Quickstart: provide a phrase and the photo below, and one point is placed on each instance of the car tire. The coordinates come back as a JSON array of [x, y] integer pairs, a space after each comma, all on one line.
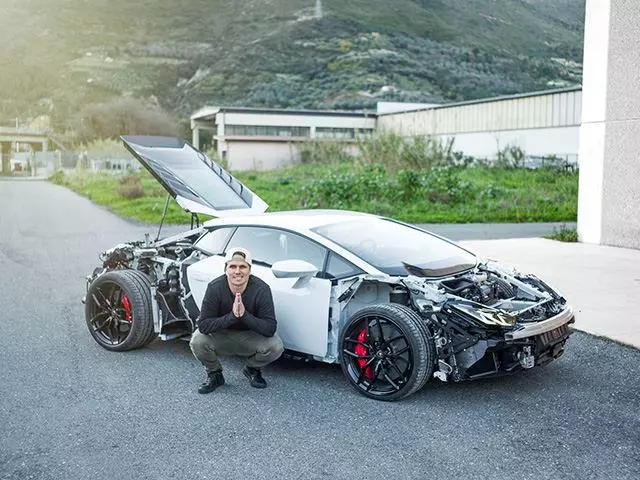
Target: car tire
[[386, 351], [118, 310]]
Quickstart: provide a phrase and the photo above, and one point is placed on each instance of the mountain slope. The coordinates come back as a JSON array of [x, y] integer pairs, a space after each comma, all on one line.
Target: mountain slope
[[62, 54]]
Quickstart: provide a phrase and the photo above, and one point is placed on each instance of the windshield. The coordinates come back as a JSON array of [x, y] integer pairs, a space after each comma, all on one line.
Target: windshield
[[398, 249]]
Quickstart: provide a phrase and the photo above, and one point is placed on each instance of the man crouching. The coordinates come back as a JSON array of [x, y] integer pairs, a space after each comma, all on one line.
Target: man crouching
[[237, 318]]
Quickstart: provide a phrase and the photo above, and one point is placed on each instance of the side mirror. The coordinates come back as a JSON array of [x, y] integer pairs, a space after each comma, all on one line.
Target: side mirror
[[299, 269]]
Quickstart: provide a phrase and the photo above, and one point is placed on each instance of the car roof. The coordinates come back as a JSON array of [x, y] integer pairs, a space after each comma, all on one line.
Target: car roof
[[294, 219]]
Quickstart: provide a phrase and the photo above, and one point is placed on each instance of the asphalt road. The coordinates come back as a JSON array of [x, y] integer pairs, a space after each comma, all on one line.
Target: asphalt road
[[493, 231], [71, 410]]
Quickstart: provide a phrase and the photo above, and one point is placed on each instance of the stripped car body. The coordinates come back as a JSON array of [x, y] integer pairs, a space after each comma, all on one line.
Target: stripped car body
[[393, 304]]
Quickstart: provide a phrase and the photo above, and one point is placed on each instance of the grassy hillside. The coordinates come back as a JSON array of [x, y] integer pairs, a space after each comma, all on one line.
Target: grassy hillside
[[58, 55]]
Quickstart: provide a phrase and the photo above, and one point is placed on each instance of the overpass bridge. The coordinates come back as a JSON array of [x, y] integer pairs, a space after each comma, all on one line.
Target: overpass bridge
[[11, 137]]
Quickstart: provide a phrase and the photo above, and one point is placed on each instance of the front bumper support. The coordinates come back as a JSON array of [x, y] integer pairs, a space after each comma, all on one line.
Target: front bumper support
[[526, 331]]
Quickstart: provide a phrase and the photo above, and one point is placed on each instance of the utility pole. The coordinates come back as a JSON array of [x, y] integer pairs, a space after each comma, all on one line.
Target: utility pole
[[318, 9]]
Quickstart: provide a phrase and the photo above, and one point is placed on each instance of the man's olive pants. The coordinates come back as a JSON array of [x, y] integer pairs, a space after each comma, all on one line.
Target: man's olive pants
[[257, 349]]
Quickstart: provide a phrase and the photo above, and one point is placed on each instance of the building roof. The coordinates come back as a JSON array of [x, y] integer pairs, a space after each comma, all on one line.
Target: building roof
[[209, 111], [576, 88]]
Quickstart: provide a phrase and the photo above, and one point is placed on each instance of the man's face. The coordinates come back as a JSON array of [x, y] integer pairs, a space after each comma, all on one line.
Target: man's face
[[237, 272]]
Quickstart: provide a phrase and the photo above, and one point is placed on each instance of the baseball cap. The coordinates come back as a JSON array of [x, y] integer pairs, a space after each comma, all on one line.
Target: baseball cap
[[238, 253]]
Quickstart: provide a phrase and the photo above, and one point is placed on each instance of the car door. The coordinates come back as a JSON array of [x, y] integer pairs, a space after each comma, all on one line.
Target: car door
[[302, 313], [199, 274]]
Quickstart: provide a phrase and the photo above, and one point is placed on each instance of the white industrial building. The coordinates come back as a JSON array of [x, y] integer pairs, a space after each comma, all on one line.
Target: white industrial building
[[541, 124], [264, 139]]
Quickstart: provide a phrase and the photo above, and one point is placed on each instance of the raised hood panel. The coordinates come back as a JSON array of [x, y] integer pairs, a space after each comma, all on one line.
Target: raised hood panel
[[198, 184]]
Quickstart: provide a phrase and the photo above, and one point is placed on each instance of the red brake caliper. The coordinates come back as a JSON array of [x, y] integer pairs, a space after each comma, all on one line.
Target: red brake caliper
[[127, 308], [361, 350]]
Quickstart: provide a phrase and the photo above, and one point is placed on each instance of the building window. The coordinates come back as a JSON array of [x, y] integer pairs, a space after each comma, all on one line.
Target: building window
[[365, 132], [337, 133], [343, 133], [266, 131]]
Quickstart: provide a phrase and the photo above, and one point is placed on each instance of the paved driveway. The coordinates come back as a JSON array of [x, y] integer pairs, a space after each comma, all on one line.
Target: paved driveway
[[71, 410]]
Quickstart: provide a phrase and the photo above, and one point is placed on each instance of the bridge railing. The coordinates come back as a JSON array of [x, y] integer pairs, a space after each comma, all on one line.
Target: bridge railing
[[23, 130]]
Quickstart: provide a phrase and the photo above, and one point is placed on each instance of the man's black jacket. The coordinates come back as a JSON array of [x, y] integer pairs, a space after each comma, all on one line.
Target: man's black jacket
[[217, 308]]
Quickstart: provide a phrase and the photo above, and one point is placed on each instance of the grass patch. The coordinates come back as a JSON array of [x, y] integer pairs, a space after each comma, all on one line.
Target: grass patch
[[445, 194], [563, 235]]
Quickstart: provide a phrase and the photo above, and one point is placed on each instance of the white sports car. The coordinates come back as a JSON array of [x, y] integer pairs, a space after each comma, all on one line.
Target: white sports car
[[393, 304]]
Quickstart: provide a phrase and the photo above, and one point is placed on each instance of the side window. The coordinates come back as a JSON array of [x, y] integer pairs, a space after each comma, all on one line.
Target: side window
[[270, 245], [214, 241], [302, 249], [338, 267]]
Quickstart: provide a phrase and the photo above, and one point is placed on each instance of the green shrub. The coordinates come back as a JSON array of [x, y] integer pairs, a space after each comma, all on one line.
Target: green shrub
[[130, 187], [58, 178], [397, 153], [391, 150], [491, 191], [409, 184], [510, 156], [324, 152], [563, 234], [444, 185], [339, 190], [371, 183], [383, 149]]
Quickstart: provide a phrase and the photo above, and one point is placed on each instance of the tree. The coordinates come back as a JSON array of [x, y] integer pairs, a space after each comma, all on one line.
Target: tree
[[122, 116]]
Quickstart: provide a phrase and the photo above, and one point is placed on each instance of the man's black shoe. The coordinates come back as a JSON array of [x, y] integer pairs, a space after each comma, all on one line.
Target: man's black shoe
[[214, 380], [255, 377]]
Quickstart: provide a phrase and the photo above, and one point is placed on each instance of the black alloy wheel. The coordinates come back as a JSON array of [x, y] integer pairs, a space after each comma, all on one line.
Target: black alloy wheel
[[118, 310], [386, 352]]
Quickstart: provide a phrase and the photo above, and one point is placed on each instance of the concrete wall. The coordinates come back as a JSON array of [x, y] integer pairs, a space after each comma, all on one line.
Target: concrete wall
[[261, 155], [267, 155], [561, 141], [609, 196]]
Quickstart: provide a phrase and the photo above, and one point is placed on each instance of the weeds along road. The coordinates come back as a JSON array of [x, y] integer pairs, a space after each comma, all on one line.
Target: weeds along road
[[69, 409]]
